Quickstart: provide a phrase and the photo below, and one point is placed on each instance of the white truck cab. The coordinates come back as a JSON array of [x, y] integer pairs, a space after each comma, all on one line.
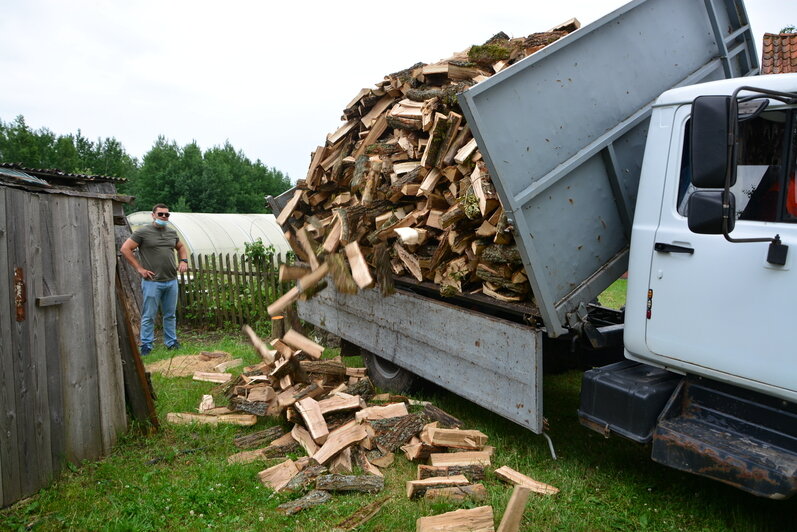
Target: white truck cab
[[698, 303]]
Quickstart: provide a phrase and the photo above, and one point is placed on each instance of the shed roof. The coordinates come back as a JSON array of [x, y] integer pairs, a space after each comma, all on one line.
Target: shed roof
[[52, 176], [779, 53]]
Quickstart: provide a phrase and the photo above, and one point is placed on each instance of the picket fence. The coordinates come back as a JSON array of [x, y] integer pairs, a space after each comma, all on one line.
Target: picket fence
[[228, 289]]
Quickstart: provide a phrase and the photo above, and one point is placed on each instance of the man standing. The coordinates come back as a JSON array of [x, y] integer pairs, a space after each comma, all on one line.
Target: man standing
[[158, 270]]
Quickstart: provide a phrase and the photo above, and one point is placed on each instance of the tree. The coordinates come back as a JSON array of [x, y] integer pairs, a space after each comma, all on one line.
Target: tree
[[788, 29], [219, 180]]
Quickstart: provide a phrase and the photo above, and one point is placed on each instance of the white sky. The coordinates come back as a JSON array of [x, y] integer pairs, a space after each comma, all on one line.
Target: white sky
[[270, 77]]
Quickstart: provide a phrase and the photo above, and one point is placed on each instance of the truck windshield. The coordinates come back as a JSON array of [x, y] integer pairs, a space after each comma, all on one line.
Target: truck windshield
[[765, 169]]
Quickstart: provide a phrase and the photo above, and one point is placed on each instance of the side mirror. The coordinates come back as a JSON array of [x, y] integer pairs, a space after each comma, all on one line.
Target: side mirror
[[705, 212], [710, 148]]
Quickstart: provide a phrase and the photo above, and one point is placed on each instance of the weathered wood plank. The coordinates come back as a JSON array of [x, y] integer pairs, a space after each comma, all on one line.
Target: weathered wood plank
[[10, 471], [22, 239], [81, 395], [51, 316], [109, 370]]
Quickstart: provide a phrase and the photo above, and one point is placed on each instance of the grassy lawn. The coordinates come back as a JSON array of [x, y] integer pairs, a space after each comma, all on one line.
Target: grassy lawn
[[179, 478]]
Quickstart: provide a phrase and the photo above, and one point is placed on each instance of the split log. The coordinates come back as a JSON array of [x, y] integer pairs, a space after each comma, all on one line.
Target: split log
[[259, 438], [278, 476], [401, 432], [474, 520], [298, 341], [305, 284], [363, 483], [329, 369], [246, 457], [184, 418], [472, 472], [311, 500], [340, 403], [339, 439], [382, 412], [257, 408], [306, 478], [341, 464], [472, 492], [224, 366], [457, 438], [205, 376], [417, 450], [282, 446], [416, 488], [365, 464], [311, 413], [461, 459], [446, 420], [507, 474], [304, 439], [265, 353], [361, 516], [510, 522], [206, 404]]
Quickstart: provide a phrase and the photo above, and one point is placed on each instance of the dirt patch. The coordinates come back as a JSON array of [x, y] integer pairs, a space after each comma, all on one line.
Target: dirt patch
[[185, 365]]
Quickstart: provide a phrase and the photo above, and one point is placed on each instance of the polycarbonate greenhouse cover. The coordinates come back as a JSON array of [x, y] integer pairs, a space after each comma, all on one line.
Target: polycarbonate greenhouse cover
[[211, 233], [563, 132]]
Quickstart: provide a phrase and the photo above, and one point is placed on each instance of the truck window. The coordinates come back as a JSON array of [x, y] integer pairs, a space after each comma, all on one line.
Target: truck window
[[765, 188]]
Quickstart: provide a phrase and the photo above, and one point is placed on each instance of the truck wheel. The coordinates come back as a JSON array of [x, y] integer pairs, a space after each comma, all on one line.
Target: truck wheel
[[388, 376]]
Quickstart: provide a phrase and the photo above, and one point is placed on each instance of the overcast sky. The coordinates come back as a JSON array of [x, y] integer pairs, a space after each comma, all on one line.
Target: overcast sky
[[272, 78]]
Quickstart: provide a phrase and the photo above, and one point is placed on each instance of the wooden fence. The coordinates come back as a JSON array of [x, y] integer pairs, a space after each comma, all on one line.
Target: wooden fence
[[228, 289]]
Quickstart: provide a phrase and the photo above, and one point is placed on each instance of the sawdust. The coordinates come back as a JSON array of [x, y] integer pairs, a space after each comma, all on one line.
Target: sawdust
[[185, 365]]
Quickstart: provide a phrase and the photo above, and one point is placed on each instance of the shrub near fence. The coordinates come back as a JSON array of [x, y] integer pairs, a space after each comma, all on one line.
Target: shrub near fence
[[228, 289]]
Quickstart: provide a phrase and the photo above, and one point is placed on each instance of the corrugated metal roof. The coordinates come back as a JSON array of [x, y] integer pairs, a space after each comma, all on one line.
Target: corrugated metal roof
[[779, 53], [51, 175], [18, 175]]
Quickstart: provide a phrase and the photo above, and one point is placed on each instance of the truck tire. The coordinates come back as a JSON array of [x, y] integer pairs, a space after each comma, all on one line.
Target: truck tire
[[388, 376]]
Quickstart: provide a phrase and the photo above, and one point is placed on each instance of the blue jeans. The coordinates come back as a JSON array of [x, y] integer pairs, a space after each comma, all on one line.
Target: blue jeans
[[164, 295]]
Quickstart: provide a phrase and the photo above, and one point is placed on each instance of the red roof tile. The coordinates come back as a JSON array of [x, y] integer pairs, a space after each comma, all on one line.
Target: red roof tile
[[779, 54]]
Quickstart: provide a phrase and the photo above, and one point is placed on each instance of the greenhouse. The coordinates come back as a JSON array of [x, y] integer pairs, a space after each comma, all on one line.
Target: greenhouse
[[212, 233]]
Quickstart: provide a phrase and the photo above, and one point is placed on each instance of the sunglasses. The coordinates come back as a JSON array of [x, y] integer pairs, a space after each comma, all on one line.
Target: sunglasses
[[162, 214]]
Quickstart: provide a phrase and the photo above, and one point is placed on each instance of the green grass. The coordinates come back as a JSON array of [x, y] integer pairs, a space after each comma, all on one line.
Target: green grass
[[179, 478], [614, 296]]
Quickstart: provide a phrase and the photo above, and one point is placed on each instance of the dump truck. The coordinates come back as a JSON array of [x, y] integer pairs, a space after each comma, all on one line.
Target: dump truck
[[643, 143]]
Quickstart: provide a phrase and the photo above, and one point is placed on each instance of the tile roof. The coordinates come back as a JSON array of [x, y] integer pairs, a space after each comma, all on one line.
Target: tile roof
[[779, 54]]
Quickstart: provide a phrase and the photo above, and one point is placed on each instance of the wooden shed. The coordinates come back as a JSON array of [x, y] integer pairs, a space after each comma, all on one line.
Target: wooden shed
[[63, 329]]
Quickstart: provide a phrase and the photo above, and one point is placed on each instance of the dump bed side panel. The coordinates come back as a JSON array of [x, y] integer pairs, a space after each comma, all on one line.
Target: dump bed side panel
[[494, 363], [564, 130]]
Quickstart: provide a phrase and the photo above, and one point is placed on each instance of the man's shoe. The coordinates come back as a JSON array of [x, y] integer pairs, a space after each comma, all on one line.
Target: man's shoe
[[145, 350], [174, 346]]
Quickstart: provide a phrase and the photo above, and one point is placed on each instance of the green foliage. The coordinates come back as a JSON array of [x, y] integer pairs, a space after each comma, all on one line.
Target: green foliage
[[789, 29], [221, 179], [71, 153]]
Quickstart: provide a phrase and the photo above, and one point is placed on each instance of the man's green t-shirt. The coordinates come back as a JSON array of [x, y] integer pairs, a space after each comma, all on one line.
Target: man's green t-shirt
[[156, 251]]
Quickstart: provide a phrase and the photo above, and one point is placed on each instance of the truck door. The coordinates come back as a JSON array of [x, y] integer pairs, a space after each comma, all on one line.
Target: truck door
[[718, 308]]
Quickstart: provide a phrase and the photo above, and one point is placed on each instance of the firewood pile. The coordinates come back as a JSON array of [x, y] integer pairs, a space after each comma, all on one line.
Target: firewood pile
[[401, 189], [349, 435]]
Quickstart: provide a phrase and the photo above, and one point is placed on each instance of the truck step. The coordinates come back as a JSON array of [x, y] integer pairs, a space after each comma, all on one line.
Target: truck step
[[736, 436], [625, 398]]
